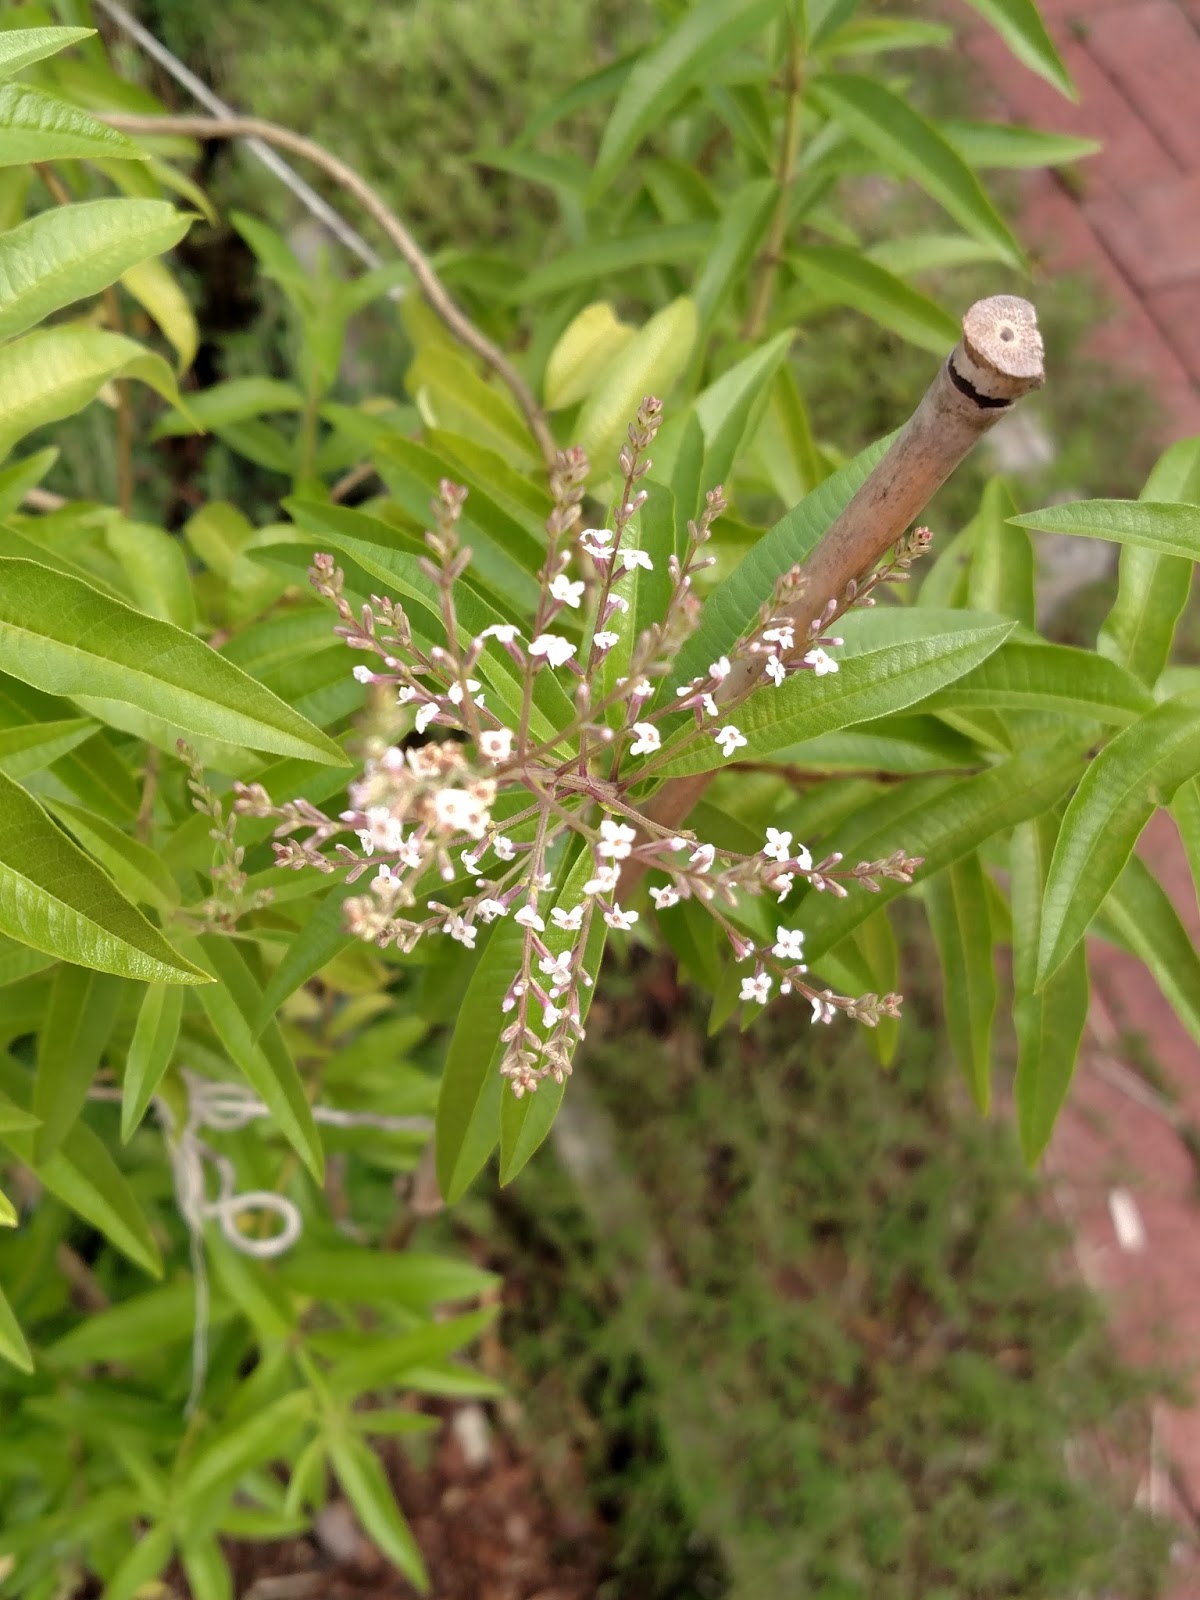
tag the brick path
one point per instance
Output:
(1121, 1171)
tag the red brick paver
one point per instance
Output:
(1120, 1168)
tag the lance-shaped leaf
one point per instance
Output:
(1140, 770)
(71, 252)
(150, 1052)
(79, 1018)
(13, 1347)
(1139, 916)
(1169, 529)
(1049, 1020)
(849, 278)
(65, 637)
(1001, 576)
(1048, 677)
(365, 1484)
(957, 904)
(35, 127)
(55, 898)
(20, 47)
(1019, 23)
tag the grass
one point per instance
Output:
(850, 1366)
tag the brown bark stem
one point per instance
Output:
(998, 360)
(430, 285)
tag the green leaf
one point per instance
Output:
(75, 251)
(157, 291)
(906, 141)
(65, 637)
(79, 1019)
(929, 252)
(1153, 589)
(870, 683)
(224, 1458)
(54, 372)
(157, 570)
(730, 409)
(1185, 809)
(150, 1052)
(451, 395)
(591, 264)
(26, 750)
(83, 1175)
(849, 278)
(365, 1484)
(235, 400)
(1139, 913)
(20, 47)
(663, 74)
(322, 937)
(206, 1570)
(1019, 23)
(1140, 770)
(141, 1325)
(957, 903)
(738, 237)
(1168, 529)
(1002, 577)
(586, 346)
(380, 1361)
(33, 127)
(17, 480)
(1005, 144)
(142, 1565)
(137, 870)
(649, 364)
(941, 827)
(55, 898)
(13, 1347)
(1040, 677)
(1049, 1020)
(232, 1004)
(410, 1278)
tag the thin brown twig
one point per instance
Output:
(430, 285)
(362, 473)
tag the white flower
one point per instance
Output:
(820, 662)
(460, 930)
(647, 741)
(710, 706)
(502, 632)
(621, 920)
(665, 897)
(605, 639)
(757, 989)
(636, 558)
(569, 593)
(778, 846)
(789, 944)
(569, 921)
(775, 670)
(822, 1011)
(685, 688)
(730, 739)
(616, 839)
(554, 647)
(784, 637)
(411, 854)
(366, 840)
(469, 861)
(385, 878)
(595, 536)
(802, 858)
(455, 809)
(641, 690)
(604, 882)
(489, 910)
(719, 669)
(364, 674)
(387, 831)
(495, 744)
(557, 968)
(550, 1015)
(528, 918)
(455, 692)
(505, 849)
(616, 603)
(425, 715)
(782, 881)
(677, 844)
(702, 857)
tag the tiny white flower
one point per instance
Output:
(711, 709)
(469, 861)
(461, 931)
(685, 688)
(385, 878)
(677, 844)
(599, 536)
(406, 693)
(636, 558)
(605, 639)
(367, 840)
(820, 662)
(502, 632)
(641, 690)
(789, 944)
(784, 637)
(550, 1015)
(757, 989)
(730, 739)
(702, 857)
(648, 739)
(665, 897)
(425, 715)
(802, 858)
(775, 670)
(410, 853)
(616, 603)
(455, 691)
(778, 846)
(554, 647)
(783, 881)
(495, 744)
(604, 882)
(616, 839)
(505, 849)
(569, 593)
(364, 674)
(719, 669)
(557, 968)
(621, 920)
(569, 921)
(822, 1011)
(489, 910)
(528, 918)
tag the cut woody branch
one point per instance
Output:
(998, 360)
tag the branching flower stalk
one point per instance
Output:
(526, 794)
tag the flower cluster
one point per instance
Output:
(511, 779)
